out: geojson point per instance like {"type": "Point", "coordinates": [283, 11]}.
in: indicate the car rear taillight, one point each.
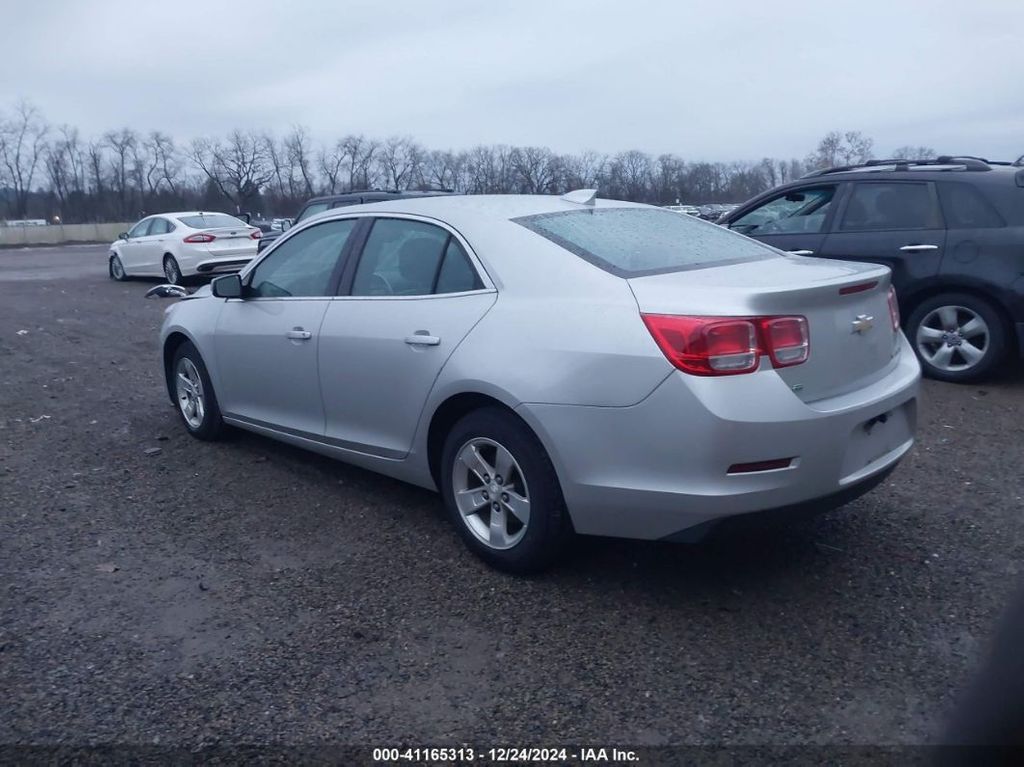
{"type": "Point", "coordinates": [719, 346]}
{"type": "Point", "coordinates": [194, 238]}
{"type": "Point", "coordinates": [256, 234]}
{"type": "Point", "coordinates": [894, 308]}
{"type": "Point", "coordinates": [786, 339]}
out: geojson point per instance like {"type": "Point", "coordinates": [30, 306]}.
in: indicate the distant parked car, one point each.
{"type": "Point", "coordinates": [320, 204]}
{"type": "Point", "coordinates": [690, 210]}
{"type": "Point", "coordinates": [951, 230]}
{"type": "Point", "coordinates": [556, 364]}
{"type": "Point", "coordinates": [182, 245]}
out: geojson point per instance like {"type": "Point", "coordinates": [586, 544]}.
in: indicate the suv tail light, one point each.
{"type": "Point", "coordinates": [718, 346]}
{"type": "Point", "coordinates": [194, 238]}
{"type": "Point", "coordinates": [256, 234]}
{"type": "Point", "coordinates": [894, 308]}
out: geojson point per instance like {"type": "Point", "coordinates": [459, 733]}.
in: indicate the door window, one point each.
{"type": "Point", "coordinates": [412, 258]}
{"type": "Point", "coordinates": [304, 264]}
{"type": "Point", "coordinates": [140, 229]}
{"type": "Point", "coordinates": [878, 206]}
{"type": "Point", "coordinates": [800, 211]}
{"type": "Point", "coordinates": [966, 208]}
{"type": "Point", "coordinates": [159, 226]}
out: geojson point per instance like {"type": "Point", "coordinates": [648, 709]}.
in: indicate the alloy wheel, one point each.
{"type": "Point", "coordinates": [171, 271]}
{"type": "Point", "coordinates": [491, 493]}
{"type": "Point", "coordinates": [953, 338]}
{"type": "Point", "coordinates": [189, 389]}
{"type": "Point", "coordinates": [116, 268]}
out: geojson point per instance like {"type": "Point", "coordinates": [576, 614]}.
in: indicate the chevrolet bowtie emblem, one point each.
{"type": "Point", "coordinates": [863, 323]}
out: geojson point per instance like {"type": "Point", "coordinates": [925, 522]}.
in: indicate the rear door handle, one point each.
{"type": "Point", "coordinates": [802, 252]}
{"type": "Point", "coordinates": [915, 248]}
{"type": "Point", "coordinates": [298, 334]}
{"type": "Point", "coordinates": [422, 339]}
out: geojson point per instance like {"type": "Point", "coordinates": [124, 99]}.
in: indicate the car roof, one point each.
{"type": "Point", "coordinates": [466, 207]}
{"type": "Point", "coordinates": [387, 194]}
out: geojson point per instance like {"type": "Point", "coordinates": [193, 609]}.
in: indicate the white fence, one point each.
{"type": "Point", "coordinates": [56, 234]}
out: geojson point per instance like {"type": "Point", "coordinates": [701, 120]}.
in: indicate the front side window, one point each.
{"type": "Point", "coordinates": [632, 242]}
{"type": "Point", "coordinates": [141, 228]}
{"type": "Point", "coordinates": [800, 211]}
{"type": "Point", "coordinates": [302, 265]}
{"type": "Point", "coordinates": [966, 208]}
{"type": "Point", "coordinates": [312, 210]}
{"type": "Point", "coordinates": [878, 206]}
{"type": "Point", "coordinates": [412, 258]}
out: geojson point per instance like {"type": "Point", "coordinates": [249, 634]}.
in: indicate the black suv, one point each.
{"type": "Point", "coordinates": [951, 230]}
{"type": "Point", "coordinates": [359, 197]}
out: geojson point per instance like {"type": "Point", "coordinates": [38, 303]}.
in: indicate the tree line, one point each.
{"type": "Point", "coordinates": [52, 171]}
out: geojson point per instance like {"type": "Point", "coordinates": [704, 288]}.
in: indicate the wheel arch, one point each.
{"type": "Point", "coordinates": [171, 345]}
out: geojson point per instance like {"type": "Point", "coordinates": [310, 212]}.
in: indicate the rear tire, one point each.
{"type": "Point", "coordinates": [116, 269]}
{"type": "Point", "coordinates": [958, 337]}
{"type": "Point", "coordinates": [172, 271]}
{"type": "Point", "coordinates": [194, 398]}
{"type": "Point", "coordinates": [518, 522]}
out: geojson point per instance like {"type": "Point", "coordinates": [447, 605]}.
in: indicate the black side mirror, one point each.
{"type": "Point", "coordinates": [286, 225]}
{"type": "Point", "coordinates": [228, 286]}
{"type": "Point", "coordinates": [123, 236]}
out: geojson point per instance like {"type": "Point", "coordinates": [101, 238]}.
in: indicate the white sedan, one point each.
{"type": "Point", "coordinates": [180, 245]}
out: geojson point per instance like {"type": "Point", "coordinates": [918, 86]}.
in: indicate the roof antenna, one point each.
{"type": "Point", "coordinates": [581, 196]}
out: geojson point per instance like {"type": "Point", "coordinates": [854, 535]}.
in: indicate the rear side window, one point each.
{"type": "Point", "coordinates": [632, 242]}
{"type": "Point", "coordinates": [881, 207]}
{"type": "Point", "coordinates": [966, 208]}
{"type": "Point", "coordinates": [412, 258]}
{"type": "Point", "coordinates": [212, 221]}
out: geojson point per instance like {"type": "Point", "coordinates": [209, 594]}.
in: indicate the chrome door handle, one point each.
{"type": "Point", "coordinates": [422, 339]}
{"type": "Point", "coordinates": [915, 248]}
{"type": "Point", "coordinates": [298, 334]}
{"type": "Point", "coordinates": [802, 252]}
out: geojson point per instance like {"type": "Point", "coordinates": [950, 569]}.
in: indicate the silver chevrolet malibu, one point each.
{"type": "Point", "coordinates": [555, 365]}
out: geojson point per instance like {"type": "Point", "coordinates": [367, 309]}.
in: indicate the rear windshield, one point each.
{"type": "Point", "coordinates": [632, 242]}
{"type": "Point", "coordinates": [211, 221]}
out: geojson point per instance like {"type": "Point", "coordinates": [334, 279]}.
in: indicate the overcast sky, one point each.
{"type": "Point", "coordinates": [705, 80]}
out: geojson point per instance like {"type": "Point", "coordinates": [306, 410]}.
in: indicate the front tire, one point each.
{"type": "Point", "coordinates": [194, 397]}
{"type": "Point", "coordinates": [502, 493]}
{"type": "Point", "coordinates": [958, 337]}
{"type": "Point", "coordinates": [116, 269]}
{"type": "Point", "coordinates": [172, 271]}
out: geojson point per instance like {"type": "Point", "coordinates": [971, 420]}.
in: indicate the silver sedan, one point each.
{"type": "Point", "coordinates": [555, 365]}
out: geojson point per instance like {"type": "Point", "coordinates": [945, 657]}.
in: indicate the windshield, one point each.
{"type": "Point", "coordinates": [211, 221]}
{"type": "Point", "coordinates": [631, 242]}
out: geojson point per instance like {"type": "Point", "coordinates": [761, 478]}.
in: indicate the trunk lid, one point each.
{"type": "Point", "coordinates": [231, 241]}
{"type": "Point", "coordinates": [852, 342]}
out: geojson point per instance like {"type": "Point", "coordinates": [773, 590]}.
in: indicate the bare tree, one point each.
{"type": "Point", "coordinates": [164, 170]}
{"type": "Point", "coordinates": [22, 149]}
{"type": "Point", "coordinates": [299, 153]}
{"type": "Point", "coordinates": [332, 165]}
{"type": "Point", "coordinates": [399, 159]}
{"type": "Point", "coordinates": [841, 148]}
{"type": "Point", "coordinates": [238, 167]}
{"type": "Point", "coordinates": [122, 144]}
{"type": "Point", "coordinates": [914, 153]}
{"type": "Point", "coordinates": [534, 169]}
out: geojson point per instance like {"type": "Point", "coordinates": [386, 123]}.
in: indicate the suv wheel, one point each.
{"type": "Point", "coordinates": [958, 337]}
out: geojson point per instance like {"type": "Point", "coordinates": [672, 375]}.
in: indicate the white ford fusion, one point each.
{"type": "Point", "coordinates": [555, 365]}
{"type": "Point", "coordinates": [182, 245]}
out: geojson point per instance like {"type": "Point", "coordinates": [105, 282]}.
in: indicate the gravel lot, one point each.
{"type": "Point", "coordinates": [263, 594]}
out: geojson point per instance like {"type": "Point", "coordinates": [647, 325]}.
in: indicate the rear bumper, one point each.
{"type": "Point", "coordinates": [661, 467]}
{"type": "Point", "coordinates": [223, 264]}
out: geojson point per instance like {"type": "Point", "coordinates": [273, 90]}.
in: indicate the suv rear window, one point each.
{"type": "Point", "coordinates": [632, 242]}
{"type": "Point", "coordinates": [211, 221]}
